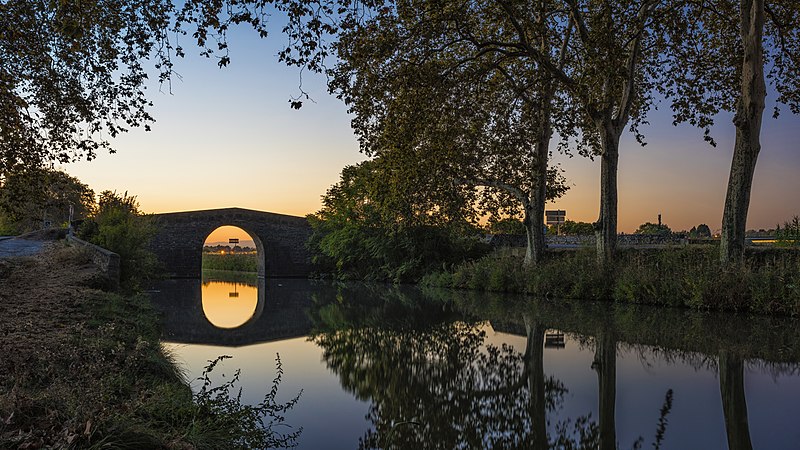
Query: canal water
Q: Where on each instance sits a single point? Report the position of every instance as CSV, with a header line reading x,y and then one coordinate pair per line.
x,y
380,366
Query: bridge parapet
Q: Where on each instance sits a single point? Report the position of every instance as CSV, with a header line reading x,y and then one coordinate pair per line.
x,y
280,240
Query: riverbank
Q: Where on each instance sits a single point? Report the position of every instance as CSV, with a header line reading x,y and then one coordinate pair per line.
x,y
767,281
84,368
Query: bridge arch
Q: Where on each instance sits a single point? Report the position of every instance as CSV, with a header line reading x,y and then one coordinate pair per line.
x,y
280,240
256,240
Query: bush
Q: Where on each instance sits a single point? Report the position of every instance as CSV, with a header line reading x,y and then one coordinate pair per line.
x,y
767,281
120,227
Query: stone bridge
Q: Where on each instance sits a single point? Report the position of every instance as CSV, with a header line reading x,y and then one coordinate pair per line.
x,y
280,240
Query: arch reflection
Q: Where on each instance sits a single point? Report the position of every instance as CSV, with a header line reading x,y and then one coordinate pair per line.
x,y
230,304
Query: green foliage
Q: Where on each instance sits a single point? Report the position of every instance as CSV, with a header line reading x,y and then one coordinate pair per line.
x,y
219,420
232,262
29,197
367,229
789,235
701,231
120,227
507,225
74,73
653,228
572,228
767,281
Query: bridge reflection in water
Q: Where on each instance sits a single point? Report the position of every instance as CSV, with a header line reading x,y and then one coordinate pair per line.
x,y
232,313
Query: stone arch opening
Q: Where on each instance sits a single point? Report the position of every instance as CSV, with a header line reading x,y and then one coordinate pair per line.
x,y
233,262
279,239
219,253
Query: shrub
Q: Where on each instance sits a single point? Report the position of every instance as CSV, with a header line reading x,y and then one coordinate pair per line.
x,y
120,227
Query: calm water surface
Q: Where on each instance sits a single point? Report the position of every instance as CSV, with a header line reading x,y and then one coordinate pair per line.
x,y
387,367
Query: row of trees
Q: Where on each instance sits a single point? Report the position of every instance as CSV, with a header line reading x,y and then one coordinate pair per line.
x,y
469,94
473,92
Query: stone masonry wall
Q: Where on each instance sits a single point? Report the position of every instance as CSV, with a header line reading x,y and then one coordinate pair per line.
x,y
280,240
107,261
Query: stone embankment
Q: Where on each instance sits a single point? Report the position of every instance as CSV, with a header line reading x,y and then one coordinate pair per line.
x,y
107,261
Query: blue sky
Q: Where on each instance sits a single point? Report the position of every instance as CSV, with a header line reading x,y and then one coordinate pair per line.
x,y
227,137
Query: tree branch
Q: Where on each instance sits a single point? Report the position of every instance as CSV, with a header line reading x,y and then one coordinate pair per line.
x,y
629,92
513,190
577,18
542,59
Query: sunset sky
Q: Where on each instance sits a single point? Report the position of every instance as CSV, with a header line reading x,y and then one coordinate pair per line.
x,y
227,137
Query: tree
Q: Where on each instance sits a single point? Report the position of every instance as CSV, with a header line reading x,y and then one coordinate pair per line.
x,y
701,231
653,228
723,69
74,72
119,226
572,228
507,225
474,122
428,97
372,226
608,70
35,195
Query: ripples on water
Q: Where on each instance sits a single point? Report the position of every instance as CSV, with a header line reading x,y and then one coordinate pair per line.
x,y
382,366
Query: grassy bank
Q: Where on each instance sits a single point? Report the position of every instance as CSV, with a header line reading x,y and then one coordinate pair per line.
x,y
83,368
234,262
767,282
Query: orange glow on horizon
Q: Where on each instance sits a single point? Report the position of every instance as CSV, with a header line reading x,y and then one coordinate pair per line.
x,y
223,233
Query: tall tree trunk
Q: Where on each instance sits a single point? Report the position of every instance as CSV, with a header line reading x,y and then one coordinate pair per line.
x,y
606,226
734,404
605,363
534,210
534,364
749,112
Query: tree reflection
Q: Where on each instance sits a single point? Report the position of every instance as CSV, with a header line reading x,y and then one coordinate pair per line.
x,y
442,385
734,404
433,379
605,363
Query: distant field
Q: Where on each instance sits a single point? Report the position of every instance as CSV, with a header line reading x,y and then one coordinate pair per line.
x,y
235,262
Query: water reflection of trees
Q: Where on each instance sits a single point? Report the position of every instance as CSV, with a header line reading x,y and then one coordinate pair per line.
x,y
433,381
445,388
722,342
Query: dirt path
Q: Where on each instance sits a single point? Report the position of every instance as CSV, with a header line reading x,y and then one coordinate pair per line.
x,y
40,315
10,248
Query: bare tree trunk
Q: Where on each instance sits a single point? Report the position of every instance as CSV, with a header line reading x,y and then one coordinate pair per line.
x,y
749,112
606,226
534,210
734,404
534,362
605,363
534,251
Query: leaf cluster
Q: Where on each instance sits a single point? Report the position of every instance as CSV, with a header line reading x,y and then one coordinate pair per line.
x,y
119,226
74,73
28,197
653,228
707,52
370,226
